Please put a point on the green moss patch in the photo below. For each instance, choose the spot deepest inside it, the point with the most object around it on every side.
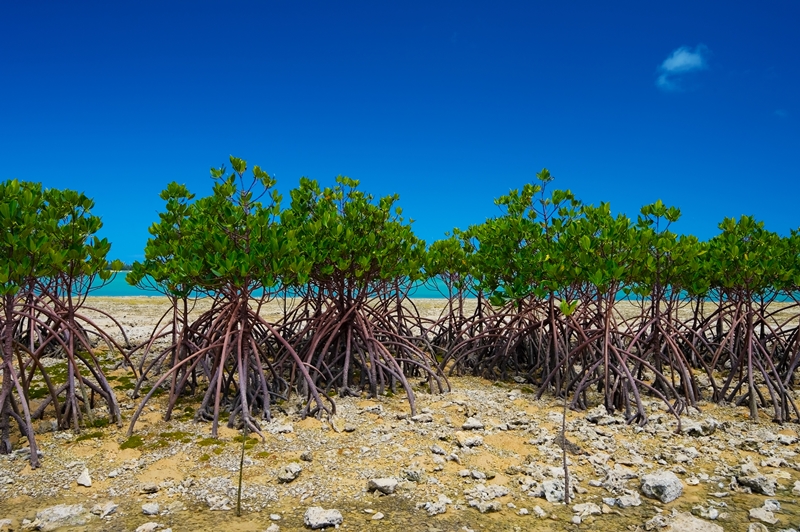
(134, 442)
(89, 436)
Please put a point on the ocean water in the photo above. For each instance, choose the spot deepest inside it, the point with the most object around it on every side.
(118, 287)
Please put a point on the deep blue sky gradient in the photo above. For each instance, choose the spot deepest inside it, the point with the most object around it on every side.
(449, 104)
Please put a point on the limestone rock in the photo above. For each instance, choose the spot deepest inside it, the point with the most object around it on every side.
(472, 424)
(553, 490)
(686, 522)
(151, 508)
(656, 522)
(664, 486)
(763, 515)
(104, 509)
(148, 488)
(435, 449)
(412, 475)
(84, 479)
(629, 499)
(705, 427)
(485, 506)
(434, 508)
(148, 527)
(386, 485)
(773, 505)
(758, 484)
(218, 503)
(280, 429)
(587, 508)
(317, 517)
(61, 515)
(465, 439)
(289, 472)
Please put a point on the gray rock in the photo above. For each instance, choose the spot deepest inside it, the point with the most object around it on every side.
(757, 527)
(175, 506)
(586, 508)
(478, 475)
(104, 509)
(629, 500)
(686, 522)
(280, 429)
(616, 480)
(472, 424)
(434, 508)
(289, 472)
(705, 427)
(656, 522)
(218, 503)
(84, 479)
(61, 515)
(763, 515)
(386, 485)
(422, 418)
(44, 427)
(664, 486)
(600, 416)
(465, 439)
(774, 461)
(435, 449)
(273, 528)
(553, 490)
(412, 475)
(749, 469)
(306, 456)
(482, 497)
(148, 527)
(772, 505)
(485, 506)
(317, 517)
(148, 487)
(796, 488)
(151, 508)
(758, 484)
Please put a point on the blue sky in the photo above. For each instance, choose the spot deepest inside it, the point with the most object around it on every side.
(449, 104)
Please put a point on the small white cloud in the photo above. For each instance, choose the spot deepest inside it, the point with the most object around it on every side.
(782, 113)
(680, 62)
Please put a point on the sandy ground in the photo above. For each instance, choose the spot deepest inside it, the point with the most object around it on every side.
(196, 476)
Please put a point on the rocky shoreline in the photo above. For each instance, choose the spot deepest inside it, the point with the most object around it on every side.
(486, 456)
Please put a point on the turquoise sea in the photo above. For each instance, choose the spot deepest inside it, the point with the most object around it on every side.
(117, 287)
